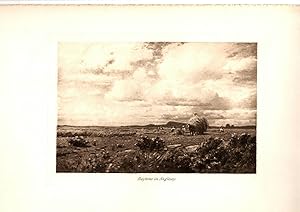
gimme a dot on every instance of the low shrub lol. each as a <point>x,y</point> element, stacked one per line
<point>79,141</point>
<point>145,143</point>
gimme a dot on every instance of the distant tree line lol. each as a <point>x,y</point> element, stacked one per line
<point>229,126</point>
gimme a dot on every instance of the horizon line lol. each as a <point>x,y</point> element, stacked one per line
<point>136,125</point>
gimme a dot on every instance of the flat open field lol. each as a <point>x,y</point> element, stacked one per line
<point>114,149</point>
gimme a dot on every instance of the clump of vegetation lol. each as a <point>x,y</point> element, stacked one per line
<point>150,144</point>
<point>175,160</point>
<point>236,155</point>
<point>179,132</point>
<point>79,141</point>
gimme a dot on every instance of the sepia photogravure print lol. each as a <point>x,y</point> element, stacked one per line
<point>156,107</point>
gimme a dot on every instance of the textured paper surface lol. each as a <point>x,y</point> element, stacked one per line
<point>29,37</point>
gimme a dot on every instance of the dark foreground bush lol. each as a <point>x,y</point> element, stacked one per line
<point>78,141</point>
<point>236,155</point>
<point>150,144</point>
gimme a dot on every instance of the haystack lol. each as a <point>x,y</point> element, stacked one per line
<point>198,124</point>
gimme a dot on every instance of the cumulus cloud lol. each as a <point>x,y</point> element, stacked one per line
<point>247,76</point>
<point>217,117</point>
<point>249,102</point>
<point>191,74</point>
<point>158,79</point>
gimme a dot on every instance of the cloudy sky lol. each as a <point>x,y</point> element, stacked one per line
<point>117,84</point>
